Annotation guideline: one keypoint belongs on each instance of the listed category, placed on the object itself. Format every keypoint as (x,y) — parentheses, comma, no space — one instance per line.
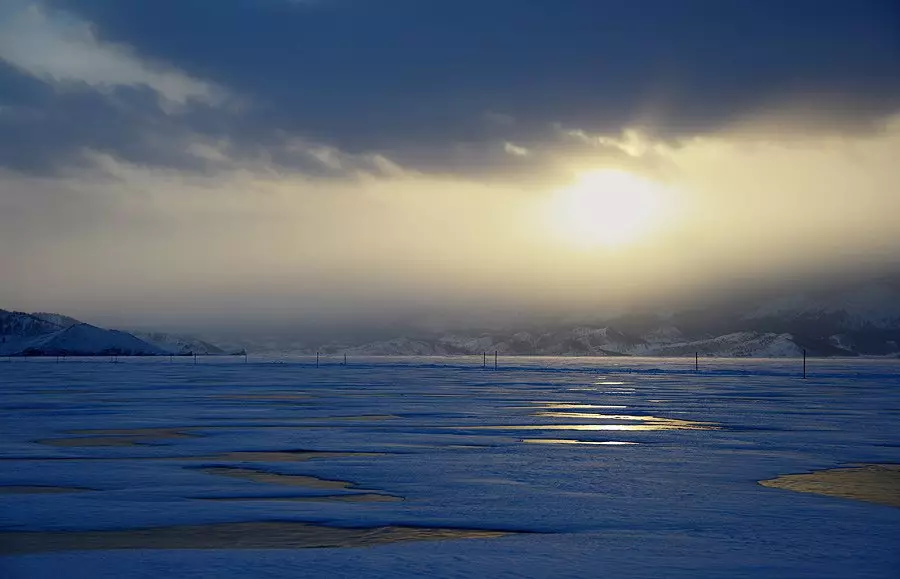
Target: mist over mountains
(853,320)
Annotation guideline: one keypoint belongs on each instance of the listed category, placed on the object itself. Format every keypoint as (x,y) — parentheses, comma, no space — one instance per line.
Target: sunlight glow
(608,208)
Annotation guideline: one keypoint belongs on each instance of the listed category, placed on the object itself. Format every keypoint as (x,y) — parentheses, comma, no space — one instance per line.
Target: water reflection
(570,441)
(619,422)
(564,406)
(661,425)
(646,422)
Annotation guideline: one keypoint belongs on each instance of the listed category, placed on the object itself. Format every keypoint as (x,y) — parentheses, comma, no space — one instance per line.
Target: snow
(738,344)
(449,437)
(81,340)
(179,344)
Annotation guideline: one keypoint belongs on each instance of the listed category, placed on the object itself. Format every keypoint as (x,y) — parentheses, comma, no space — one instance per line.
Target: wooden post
(495,359)
(804,363)
(345,359)
(484,360)
(317,359)
(696,361)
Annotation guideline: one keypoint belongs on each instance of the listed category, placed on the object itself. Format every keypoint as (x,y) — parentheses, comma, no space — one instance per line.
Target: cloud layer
(331,158)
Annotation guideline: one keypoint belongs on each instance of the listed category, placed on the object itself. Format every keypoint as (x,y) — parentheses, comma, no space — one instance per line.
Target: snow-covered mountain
(88,340)
(22,325)
(180,345)
(849,321)
(48,334)
(57,319)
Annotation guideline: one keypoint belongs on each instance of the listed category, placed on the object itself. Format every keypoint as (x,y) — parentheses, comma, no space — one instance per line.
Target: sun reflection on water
(571,441)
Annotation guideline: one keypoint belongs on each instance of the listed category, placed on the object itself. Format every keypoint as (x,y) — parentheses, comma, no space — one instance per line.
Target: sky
(180,162)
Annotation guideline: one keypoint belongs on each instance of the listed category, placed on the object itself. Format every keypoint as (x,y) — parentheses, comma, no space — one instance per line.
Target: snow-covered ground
(464,447)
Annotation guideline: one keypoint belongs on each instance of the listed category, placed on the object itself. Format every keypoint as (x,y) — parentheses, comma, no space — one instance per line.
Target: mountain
(88,340)
(180,345)
(57,319)
(861,319)
(45,334)
(22,325)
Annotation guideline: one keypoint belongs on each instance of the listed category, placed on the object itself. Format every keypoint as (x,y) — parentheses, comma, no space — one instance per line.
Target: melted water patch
(259,535)
(349,498)
(39,490)
(274,396)
(873,483)
(274,455)
(117,437)
(263,476)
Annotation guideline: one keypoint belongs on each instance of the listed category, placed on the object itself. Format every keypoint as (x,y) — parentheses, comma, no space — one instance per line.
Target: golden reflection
(561,406)
(661,425)
(570,441)
(645,423)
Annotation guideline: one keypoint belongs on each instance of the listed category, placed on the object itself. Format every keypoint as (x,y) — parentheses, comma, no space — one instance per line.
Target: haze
(331,161)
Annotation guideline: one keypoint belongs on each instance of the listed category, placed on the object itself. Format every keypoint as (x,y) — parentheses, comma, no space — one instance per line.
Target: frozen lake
(576,467)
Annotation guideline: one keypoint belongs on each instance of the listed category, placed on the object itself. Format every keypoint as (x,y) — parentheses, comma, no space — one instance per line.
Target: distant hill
(88,340)
(49,334)
(57,319)
(180,345)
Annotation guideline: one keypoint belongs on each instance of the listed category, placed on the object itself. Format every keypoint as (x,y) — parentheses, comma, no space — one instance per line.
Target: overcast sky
(171,162)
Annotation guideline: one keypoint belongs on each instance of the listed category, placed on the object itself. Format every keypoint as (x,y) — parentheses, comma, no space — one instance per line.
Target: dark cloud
(44,128)
(424,82)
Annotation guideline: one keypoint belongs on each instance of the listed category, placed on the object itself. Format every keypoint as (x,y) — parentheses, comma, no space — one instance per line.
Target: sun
(608,208)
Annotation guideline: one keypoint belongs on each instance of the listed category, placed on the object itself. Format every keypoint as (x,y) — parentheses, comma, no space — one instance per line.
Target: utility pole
(804,363)
(495,359)
(696,361)
(317,359)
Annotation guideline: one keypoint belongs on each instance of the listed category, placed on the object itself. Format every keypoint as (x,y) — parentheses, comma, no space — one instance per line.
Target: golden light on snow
(608,208)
